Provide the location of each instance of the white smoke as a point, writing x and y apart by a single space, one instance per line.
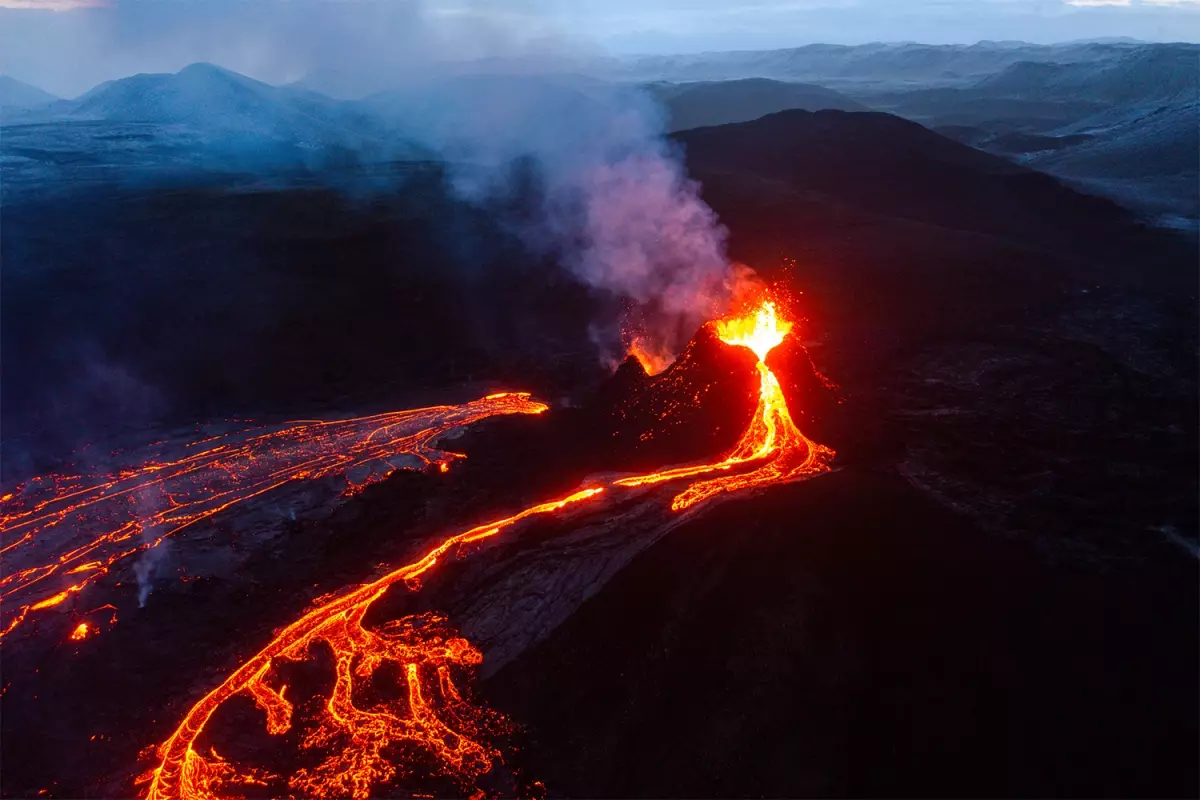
149 567
148 501
612 200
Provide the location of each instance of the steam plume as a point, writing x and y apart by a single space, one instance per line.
610 198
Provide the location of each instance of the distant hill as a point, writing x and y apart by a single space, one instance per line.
892 65
201 118
703 103
1039 96
223 104
886 165
15 94
1169 72
1150 162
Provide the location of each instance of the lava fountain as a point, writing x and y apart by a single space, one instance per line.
771 440
451 733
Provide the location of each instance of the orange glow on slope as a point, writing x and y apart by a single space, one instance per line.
771 434
653 361
82 631
449 730
63 525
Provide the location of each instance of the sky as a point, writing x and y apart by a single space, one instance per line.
68 46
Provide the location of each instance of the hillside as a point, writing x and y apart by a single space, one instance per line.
1163 73
1150 163
15 94
695 105
221 103
882 164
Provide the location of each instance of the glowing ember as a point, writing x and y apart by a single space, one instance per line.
653 360
82 631
451 732
81 526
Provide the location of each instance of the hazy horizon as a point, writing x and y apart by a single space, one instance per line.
280 42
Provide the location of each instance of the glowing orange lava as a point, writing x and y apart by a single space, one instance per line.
81 525
424 651
434 717
653 360
771 438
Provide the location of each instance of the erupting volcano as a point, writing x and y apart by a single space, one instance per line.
358 733
772 437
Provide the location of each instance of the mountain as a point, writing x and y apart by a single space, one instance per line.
15 94
224 104
695 105
200 120
882 64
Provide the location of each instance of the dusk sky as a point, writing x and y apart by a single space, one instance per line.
68 46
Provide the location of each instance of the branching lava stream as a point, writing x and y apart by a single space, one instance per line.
433 715
60 533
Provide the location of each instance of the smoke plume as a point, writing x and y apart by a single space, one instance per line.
600 187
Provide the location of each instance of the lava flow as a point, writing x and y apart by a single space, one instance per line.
772 437
432 716
60 533
443 729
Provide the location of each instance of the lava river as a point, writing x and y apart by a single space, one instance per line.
60 533
353 742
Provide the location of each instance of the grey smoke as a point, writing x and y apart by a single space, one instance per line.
149 567
151 564
612 202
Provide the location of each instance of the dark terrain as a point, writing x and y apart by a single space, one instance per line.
1116 119
993 595
702 103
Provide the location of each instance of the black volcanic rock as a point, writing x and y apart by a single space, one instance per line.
846 637
883 164
696 408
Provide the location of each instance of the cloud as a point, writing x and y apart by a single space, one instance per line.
53 5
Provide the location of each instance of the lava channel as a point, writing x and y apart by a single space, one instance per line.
60 533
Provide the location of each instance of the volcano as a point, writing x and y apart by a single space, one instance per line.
451 738
359 737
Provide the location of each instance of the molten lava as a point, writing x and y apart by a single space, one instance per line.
653 360
60 533
772 437
433 717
